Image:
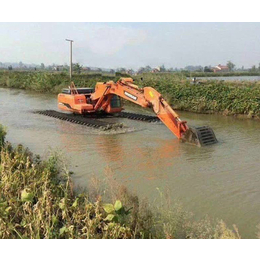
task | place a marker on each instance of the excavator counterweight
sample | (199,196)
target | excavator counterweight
(106,99)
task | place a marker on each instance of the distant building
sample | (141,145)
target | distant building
(156,70)
(58,68)
(220,68)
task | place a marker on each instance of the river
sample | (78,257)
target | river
(221,181)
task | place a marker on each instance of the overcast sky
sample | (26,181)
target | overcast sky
(132,45)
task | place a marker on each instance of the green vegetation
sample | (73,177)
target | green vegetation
(37,200)
(212,96)
(47,82)
(2,135)
(228,98)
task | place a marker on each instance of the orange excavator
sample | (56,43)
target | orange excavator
(105,99)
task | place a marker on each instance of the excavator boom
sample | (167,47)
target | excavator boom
(149,97)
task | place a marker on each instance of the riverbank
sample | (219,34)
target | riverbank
(38,201)
(238,98)
(227,98)
(47,82)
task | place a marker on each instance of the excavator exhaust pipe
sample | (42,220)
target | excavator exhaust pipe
(200,136)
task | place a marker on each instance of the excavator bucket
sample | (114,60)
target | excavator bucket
(200,136)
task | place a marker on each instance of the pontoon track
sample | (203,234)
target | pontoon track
(94,121)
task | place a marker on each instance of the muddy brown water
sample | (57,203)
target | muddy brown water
(221,181)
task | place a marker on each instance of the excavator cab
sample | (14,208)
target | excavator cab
(115,102)
(114,105)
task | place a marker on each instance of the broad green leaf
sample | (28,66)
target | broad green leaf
(118,205)
(26,196)
(62,204)
(109,208)
(54,220)
(23,223)
(8,209)
(62,230)
(110,217)
(75,203)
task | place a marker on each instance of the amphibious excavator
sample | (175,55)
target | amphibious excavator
(105,99)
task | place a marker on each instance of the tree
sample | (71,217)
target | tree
(10,67)
(207,69)
(148,69)
(121,70)
(65,68)
(130,71)
(42,66)
(140,70)
(230,65)
(162,68)
(77,68)
(253,68)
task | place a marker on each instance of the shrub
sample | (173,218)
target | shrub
(2,135)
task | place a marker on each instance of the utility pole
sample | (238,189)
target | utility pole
(71,41)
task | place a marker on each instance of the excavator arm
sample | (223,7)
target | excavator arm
(165,113)
(145,97)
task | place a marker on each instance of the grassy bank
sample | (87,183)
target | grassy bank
(37,200)
(47,82)
(228,98)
